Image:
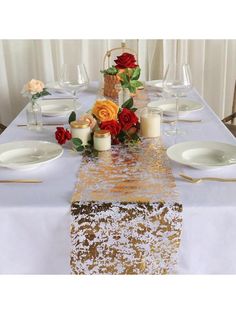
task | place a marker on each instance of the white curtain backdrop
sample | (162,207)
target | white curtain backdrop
(212,62)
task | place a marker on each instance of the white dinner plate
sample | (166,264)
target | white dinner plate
(168,106)
(28,154)
(203,155)
(56,107)
(157,84)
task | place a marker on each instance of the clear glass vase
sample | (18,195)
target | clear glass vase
(34,116)
(123,95)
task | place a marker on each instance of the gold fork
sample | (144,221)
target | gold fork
(21,181)
(198,180)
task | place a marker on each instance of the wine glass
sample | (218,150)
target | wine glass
(74,78)
(177,82)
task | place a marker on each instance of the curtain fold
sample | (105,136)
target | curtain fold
(212,62)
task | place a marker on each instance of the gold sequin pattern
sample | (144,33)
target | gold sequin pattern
(126,215)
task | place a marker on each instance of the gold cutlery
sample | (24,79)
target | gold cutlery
(181,120)
(21,181)
(198,180)
(44,124)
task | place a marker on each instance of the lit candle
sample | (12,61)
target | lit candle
(102,140)
(81,130)
(150,124)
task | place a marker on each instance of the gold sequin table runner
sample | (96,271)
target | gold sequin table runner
(126,215)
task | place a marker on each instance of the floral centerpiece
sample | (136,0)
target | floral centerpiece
(125,72)
(122,123)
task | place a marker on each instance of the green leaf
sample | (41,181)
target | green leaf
(111,71)
(72,117)
(135,84)
(139,84)
(121,136)
(36,96)
(136,74)
(128,103)
(45,92)
(90,142)
(122,133)
(77,141)
(124,78)
(135,137)
(125,85)
(132,89)
(79,148)
(134,109)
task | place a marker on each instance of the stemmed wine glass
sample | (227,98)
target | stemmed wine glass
(74,78)
(177,82)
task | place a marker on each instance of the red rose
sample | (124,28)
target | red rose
(113,126)
(62,135)
(126,60)
(127,119)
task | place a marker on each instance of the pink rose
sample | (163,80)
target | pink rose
(88,118)
(34,87)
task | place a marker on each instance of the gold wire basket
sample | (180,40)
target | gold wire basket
(111,81)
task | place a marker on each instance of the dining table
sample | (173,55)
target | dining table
(35,219)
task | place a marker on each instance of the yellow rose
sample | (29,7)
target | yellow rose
(105,110)
(34,86)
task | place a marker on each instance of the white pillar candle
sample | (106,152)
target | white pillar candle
(81,130)
(150,125)
(102,140)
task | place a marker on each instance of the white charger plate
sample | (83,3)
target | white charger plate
(157,84)
(203,154)
(168,106)
(28,154)
(56,107)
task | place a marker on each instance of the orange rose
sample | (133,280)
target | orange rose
(105,110)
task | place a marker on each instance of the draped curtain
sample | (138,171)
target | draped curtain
(212,63)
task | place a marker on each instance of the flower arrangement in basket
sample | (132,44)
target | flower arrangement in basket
(126,73)
(105,117)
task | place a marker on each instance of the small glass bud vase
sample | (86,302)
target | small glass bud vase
(123,94)
(34,116)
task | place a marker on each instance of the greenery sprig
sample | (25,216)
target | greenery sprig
(129,79)
(110,71)
(38,95)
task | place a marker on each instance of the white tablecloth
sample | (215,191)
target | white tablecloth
(35,219)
